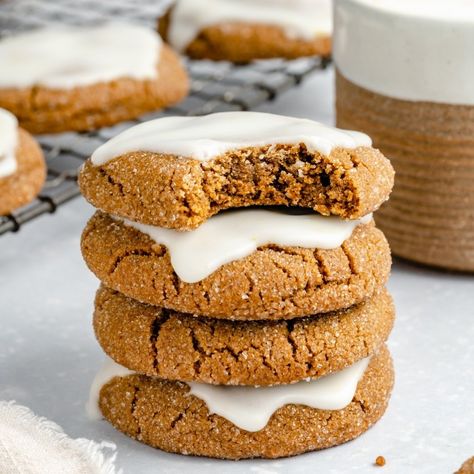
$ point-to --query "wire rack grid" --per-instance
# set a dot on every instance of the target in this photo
(215, 87)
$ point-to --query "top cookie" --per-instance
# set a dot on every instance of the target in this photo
(244, 30)
(176, 172)
(80, 78)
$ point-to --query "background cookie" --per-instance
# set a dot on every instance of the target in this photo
(243, 31)
(241, 43)
(176, 346)
(271, 283)
(349, 183)
(161, 414)
(25, 183)
(44, 108)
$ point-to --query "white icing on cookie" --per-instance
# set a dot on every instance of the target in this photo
(420, 50)
(206, 137)
(8, 143)
(301, 19)
(250, 408)
(66, 57)
(235, 234)
(107, 372)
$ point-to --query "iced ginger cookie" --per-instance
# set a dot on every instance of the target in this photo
(82, 78)
(245, 422)
(241, 31)
(176, 172)
(22, 166)
(176, 346)
(242, 264)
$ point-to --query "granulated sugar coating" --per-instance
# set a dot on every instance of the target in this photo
(162, 414)
(181, 193)
(175, 346)
(271, 283)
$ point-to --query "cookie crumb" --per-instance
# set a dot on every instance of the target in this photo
(380, 461)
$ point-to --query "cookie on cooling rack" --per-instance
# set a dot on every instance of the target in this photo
(82, 78)
(176, 172)
(22, 166)
(241, 31)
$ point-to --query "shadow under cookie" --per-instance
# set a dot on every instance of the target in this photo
(270, 284)
(164, 415)
(176, 346)
(25, 183)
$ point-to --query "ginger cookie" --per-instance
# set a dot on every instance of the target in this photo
(272, 282)
(467, 467)
(176, 172)
(240, 32)
(175, 346)
(82, 78)
(172, 417)
(22, 166)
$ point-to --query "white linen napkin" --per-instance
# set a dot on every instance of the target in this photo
(30, 444)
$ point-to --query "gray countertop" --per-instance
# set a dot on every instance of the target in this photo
(48, 355)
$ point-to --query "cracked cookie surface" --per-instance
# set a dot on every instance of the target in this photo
(242, 43)
(25, 183)
(175, 346)
(181, 193)
(44, 110)
(270, 284)
(163, 414)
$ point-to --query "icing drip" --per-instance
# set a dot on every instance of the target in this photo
(250, 408)
(235, 234)
(66, 57)
(8, 143)
(430, 59)
(305, 19)
(107, 372)
(203, 138)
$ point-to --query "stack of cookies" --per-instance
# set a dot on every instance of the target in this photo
(242, 302)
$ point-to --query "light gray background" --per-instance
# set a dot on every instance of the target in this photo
(48, 355)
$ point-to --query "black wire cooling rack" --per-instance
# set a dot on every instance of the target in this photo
(215, 87)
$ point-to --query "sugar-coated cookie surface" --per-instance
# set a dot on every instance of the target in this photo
(271, 283)
(164, 415)
(175, 346)
(81, 78)
(22, 186)
(176, 172)
(428, 62)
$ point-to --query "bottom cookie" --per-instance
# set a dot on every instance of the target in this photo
(164, 415)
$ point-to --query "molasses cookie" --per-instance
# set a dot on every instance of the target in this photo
(241, 31)
(242, 264)
(467, 467)
(82, 78)
(22, 166)
(175, 346)
(176, 172)
(267, 422)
